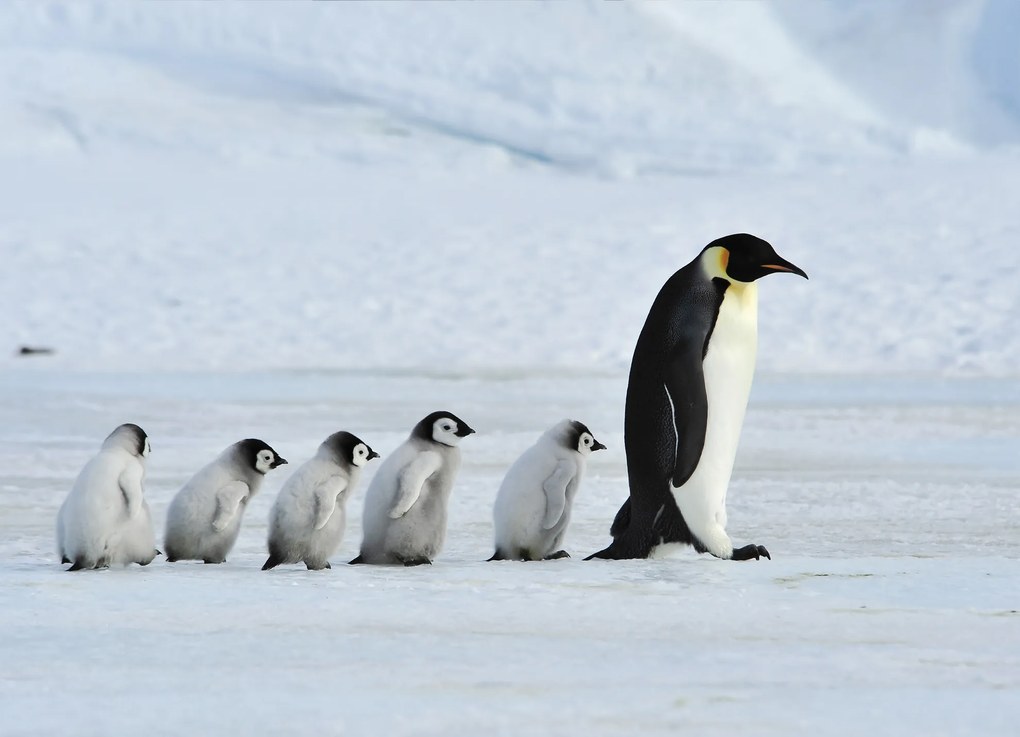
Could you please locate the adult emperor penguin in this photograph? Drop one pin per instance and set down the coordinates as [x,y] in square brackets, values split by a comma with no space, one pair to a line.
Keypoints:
[204,518]
[534,501]
[405,506]
[105,519]
[308,517]
[689,382]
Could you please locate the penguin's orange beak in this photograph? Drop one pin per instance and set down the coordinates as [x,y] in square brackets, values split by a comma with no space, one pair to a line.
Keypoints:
[781,264]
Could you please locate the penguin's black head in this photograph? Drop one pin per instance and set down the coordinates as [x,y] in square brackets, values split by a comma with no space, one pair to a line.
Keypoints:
[349,448]
[442,427]
[259,455]
[131,437]
[745,258]
[582,440]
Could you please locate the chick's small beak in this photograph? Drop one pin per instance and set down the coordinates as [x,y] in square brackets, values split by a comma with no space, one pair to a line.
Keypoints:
[279,462]
[464,431]
[372,454]
[596,445]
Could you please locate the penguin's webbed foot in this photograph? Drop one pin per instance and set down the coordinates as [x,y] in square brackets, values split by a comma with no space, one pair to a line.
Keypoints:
[422,561]
[558,555]
[757,552]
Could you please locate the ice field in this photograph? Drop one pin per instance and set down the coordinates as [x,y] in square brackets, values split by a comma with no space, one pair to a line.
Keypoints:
[278,221]
[890,605]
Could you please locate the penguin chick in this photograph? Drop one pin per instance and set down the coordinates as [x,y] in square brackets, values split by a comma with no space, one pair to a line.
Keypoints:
[105,519]
[308,517]
[686,397]
[204,518]
[405,506]
[533,504]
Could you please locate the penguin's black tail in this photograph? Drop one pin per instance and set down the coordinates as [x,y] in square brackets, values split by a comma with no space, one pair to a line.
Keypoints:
[611,553]
[357,561]
[272,562]
[172,553]
[636,538]
[621,521]
[619,528]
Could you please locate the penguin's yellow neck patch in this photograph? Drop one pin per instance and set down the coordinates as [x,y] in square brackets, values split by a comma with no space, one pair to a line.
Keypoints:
[715,261]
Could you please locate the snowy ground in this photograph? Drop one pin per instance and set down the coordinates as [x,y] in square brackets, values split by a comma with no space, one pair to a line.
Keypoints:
[890,605]
[281,220]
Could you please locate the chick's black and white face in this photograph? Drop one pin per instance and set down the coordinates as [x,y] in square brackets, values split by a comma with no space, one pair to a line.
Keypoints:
[586,443]
[361,454]
[265,461]
[445,430]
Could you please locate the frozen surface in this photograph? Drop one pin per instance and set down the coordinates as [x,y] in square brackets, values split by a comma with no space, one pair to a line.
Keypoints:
[890,605]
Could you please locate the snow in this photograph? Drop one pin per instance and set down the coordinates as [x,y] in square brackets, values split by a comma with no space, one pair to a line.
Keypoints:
[236,220]
[889,606]
[366,186]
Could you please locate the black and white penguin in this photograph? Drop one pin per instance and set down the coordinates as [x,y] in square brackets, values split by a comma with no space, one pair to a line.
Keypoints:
[689,383]
[534,502]
[404,521]
[105,519]
[204,518]
[309,515]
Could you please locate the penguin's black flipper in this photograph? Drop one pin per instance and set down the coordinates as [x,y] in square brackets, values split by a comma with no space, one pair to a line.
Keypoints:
[685,383]
[357,561]
[757,552]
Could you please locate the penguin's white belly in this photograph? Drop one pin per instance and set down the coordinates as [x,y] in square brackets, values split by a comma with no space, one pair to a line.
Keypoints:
[728,371]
